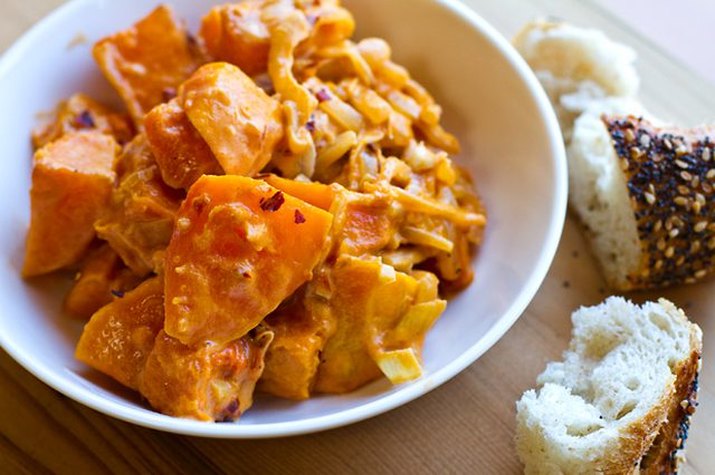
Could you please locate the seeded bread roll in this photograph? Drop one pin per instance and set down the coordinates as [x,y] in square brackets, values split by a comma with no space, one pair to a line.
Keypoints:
[645,196]
[621,399]
[577,67]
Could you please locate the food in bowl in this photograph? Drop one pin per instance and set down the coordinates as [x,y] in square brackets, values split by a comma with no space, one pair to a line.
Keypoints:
[278,210]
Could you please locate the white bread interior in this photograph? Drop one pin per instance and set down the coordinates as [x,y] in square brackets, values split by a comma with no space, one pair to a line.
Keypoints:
[598,192]
[599,409]
[577,66]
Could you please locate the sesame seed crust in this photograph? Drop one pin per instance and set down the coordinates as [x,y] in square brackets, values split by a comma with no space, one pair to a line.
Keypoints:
[670,175]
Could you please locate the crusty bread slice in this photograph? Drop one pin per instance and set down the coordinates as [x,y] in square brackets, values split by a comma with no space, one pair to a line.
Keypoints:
[627,380]
[577,66]
[644,194]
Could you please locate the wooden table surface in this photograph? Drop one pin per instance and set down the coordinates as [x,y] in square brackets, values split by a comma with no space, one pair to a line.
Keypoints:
[465,426]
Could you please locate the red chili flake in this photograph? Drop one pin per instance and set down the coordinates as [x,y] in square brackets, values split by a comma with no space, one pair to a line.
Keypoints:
[84,120]
[191,40]
[299,218]
[246,275]
[117,293]
[273,203]
[168,93]
[264,82]
[200,202]
[323,95]
[232,407]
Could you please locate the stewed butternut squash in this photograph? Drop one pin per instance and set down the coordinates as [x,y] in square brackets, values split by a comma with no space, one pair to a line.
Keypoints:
[119,337]
[209,381]
[147,62]
[236,34]
[282,213]
[301,328]
[367,223]
[140,219]
[72,179]
[81,112]
[135,156]
[239,249]
[240,122]
[102,276]
[180,152]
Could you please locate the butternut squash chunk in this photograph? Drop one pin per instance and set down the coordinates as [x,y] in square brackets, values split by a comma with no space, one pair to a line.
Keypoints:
[180,152]
[301,330]
[365,223]
[102,277]
[241,124]
[235,33]
[81,112]
[72,180]
[147,62]
[239,249]
[140,219]
[119,337]
[368,298]
[208,382]
[317,194]
[135,156]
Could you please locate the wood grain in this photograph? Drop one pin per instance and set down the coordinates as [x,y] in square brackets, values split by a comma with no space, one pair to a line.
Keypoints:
[466,426]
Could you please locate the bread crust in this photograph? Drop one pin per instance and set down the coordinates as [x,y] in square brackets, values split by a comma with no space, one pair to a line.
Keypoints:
[670,175]
[666,452]
[636,439]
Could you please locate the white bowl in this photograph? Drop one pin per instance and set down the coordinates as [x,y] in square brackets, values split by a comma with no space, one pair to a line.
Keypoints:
[511,143]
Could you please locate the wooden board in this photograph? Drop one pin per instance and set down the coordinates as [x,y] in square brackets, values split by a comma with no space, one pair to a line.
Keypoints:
[466,426]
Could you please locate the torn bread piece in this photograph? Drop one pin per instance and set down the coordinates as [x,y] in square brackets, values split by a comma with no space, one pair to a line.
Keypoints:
[578,67]
[621,399]
[644,195]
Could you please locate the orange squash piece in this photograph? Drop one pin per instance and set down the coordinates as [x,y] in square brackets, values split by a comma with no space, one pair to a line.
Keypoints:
[119,337]
[180,151]
[81,112]
[72,180]
[368,298]
[139,219]
[235,33]
[365,223]
[239,249]
[241,124]
[317,194]
[208,382]
[102,276]
[135,156]
[147,62]
[301,330]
